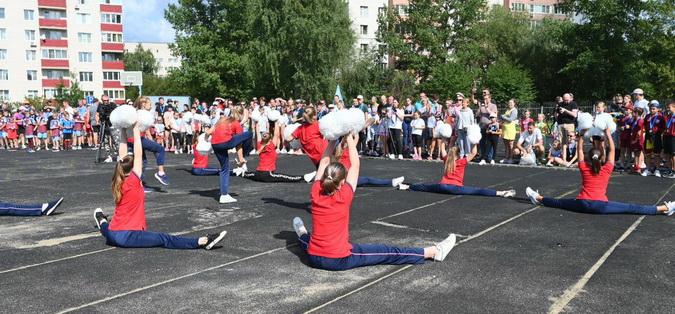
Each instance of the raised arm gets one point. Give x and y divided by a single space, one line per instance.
610 142
353 173
123 149
325 159
138 152
473 153
580 145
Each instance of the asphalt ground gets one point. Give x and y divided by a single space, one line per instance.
512 257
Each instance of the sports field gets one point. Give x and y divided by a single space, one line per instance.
513 257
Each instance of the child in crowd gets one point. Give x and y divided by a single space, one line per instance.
655 123
67 125
12 133
493 132
417 125
638 140
669 139
4 144
625 126
555 155
55 132
525 121
78 131
42 130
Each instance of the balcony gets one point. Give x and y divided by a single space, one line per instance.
111 8
55 82
113 65
62 43
53 23
111 28
54 64
52 4
118 47
112 84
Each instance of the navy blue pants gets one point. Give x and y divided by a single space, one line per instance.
9 209
220 151
152 146
205 171
365 255
369 181
407 136
141 239
599 207
452 189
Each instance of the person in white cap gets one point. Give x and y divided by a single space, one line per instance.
639 100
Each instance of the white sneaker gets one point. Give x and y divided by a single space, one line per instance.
253 152
502 161
657 173
237 171
671 208
445 247
396 181
225 199
284 151
492 162
509 193
403 187
244 168
646 173
533 196
400 156
482 162
299 227
391 156
108 160
309 177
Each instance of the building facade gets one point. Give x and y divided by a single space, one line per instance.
164 56
364 15
45 43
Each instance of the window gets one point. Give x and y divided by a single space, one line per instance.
111 37
3 54
54 54
88 93
84 38
28 15
86 76
381 11
364 29
111 76
364 11
558 10
53 34
4 94
535 23
54 74
114 94
31 55
364 48
85 56
518 7
30 35
31 75
108 56
3 34
2 13
4 75
538 8
111 1
83 18
53 14
51 93
402 10
81 1
32 93
111 18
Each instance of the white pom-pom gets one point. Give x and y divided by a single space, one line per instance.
123 117
473 134
356 120
584 120
445 130
328 126
145 120
202 118
603 121
594 131
437 130
273 115
255 114
611 125
203 146
288 131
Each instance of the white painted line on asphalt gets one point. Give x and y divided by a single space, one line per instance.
55 260
386 224
57 241
573 291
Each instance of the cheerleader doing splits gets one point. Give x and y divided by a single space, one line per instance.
44 209
128 227
342 154
592 198
453 177
226 134
268 165
328 246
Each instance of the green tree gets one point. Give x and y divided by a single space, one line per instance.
71 94
140 60
507 80
448 79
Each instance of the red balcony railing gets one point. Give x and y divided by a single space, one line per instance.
52 3
112 84
113 65
111 27
51 63
53 23
111 8
62 43
112 47
55 82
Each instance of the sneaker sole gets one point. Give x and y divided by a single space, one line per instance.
98 225
160 180
218 239
51 209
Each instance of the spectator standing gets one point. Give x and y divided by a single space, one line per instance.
485 109
509 119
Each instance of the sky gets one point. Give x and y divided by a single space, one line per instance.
144 21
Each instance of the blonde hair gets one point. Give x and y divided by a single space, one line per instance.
122 169
309 115
451 160
334 174
141 102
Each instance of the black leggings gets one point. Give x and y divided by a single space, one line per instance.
177 139
270 176
396 141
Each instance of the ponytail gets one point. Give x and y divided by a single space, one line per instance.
309 115
122 169
596 162
451 160
334 174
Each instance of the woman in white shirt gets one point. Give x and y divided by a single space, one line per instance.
466 118
417 125
396 130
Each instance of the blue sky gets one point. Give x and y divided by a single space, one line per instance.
144 21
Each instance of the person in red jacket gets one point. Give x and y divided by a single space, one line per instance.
595 174
655 123
128 227
669 139
638 139
267 166
328 246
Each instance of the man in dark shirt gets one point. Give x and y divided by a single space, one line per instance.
566 115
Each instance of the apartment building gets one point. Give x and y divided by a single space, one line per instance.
44 43
166 61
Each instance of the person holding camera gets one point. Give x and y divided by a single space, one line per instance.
103 116
566 115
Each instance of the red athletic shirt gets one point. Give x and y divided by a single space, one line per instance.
344 160
525 122
670 125
457 177
311 140
268 158
130 211
655 123
330 222
224 132
200 161
594 187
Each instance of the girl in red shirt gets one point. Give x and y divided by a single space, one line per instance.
669 139
342 155
592 198
128 227
268 165
625 127
328 246
638 139
311 140
226 134
453 177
